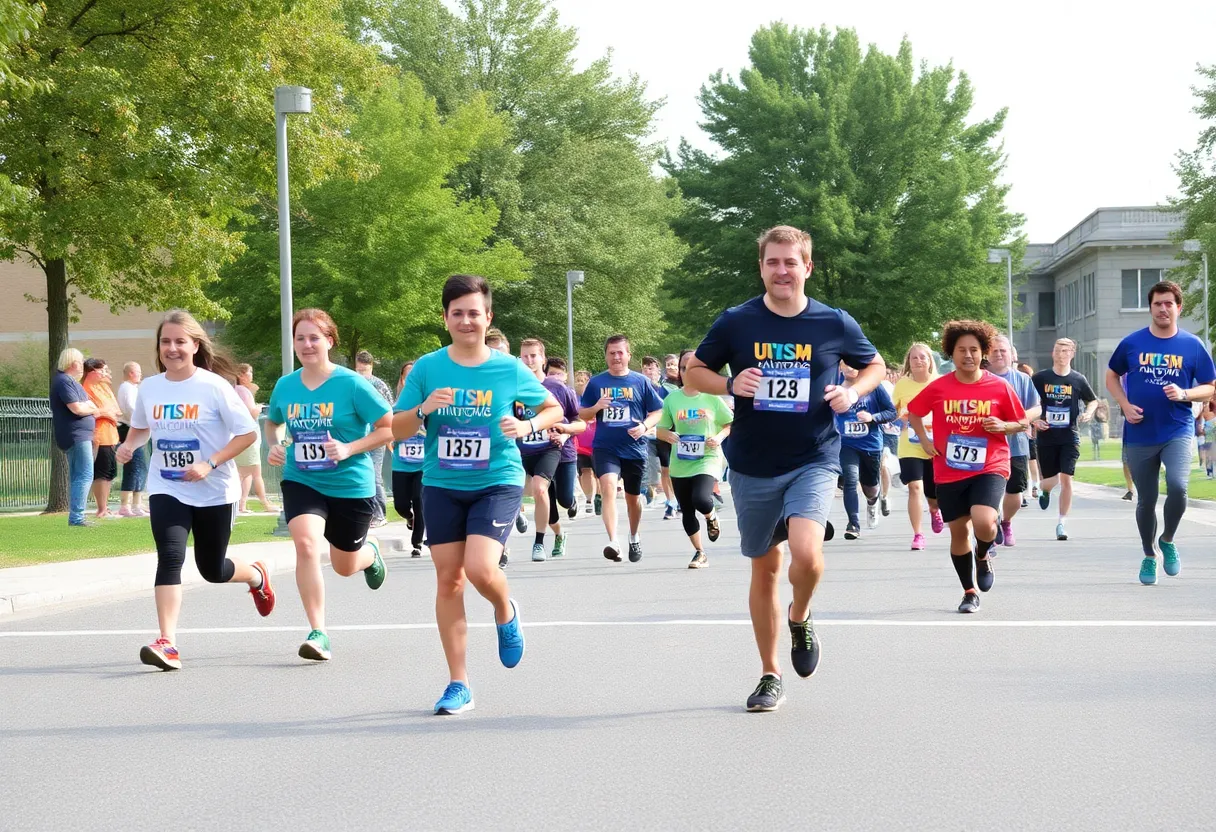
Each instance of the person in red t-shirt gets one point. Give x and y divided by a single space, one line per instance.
973 413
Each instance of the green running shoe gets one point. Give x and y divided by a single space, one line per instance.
1148 571
1170 562
559 545
375 573
315 647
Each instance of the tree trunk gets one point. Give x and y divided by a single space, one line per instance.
57 342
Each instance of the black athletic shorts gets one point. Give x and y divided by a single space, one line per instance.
347 519
913 470
585 463
1034 448
1058 459
1019 475
663 449
105 465
630 470
543 464
955 499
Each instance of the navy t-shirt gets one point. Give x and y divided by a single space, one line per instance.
69 428
538 442
788 424
1147 364
633 399
866 436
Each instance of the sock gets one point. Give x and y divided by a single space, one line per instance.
635 538
540 538
962 565
871 500
258 575
982 547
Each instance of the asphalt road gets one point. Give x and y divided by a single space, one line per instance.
1076 699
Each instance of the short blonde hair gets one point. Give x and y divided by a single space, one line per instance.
69 357
787 234
129 366
1068 342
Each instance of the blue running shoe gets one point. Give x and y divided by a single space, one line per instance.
511 639
1044 499
1148 571
1170 562
456 699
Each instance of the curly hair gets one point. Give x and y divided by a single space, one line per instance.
983 331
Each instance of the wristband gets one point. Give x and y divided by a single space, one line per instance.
211 462
730 385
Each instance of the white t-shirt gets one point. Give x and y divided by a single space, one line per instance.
127 394
191 421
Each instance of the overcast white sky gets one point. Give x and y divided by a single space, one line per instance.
1099 100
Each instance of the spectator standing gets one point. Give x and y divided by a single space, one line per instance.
105 433
135 472
249 461
363 366
73 420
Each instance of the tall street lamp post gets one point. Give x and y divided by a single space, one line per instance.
572 279
287 101
996 255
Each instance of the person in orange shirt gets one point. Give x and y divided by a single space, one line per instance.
105 436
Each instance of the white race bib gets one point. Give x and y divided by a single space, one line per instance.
1059 417
617 415
464 449
176 455
308 448
966 453
691 447
412 450
855 428
784 389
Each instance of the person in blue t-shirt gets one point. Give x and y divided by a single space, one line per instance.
334 417
861 441
626 406
407 477
472 477
783 349
1001 360
1165 369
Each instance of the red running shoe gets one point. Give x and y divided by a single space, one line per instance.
263 598
161 653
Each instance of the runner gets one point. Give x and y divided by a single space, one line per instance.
626 405
546 459
1033 456
198 426
585 440
472 477
1059 428
783 349
555 369
861 450
695 423
495 340
973 412
364 364
1166 369
407 477
915 466
334 417
658 451
1000 364
890 443
672 378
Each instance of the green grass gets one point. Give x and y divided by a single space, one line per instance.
1200 487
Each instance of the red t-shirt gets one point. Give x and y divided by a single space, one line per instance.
964 448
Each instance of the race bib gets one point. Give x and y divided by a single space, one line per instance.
1059 417
618 415
176 455
536 439
784 389
412 450
308 447
856 428
691 447
464 449
966 453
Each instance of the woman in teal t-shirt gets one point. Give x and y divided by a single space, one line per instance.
408 455
472 477
334 417
695 424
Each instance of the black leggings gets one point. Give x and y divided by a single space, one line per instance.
695 496
561 488
172 522
407 497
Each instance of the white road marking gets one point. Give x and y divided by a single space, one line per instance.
670 622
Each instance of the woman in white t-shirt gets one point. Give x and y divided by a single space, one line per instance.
197 426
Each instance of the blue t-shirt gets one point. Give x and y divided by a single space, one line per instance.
465 447
69 428
343 408
788 424
539 442
1148 364
408 454
1023 386
865 436
633 399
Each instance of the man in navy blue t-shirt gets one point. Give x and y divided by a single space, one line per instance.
73 418
625 406
783 349
1165 369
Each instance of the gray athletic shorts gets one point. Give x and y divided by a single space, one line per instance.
764 504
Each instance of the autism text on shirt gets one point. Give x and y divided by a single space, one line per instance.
617 393
311 415
171 417
691 414
776 355
967 413
1161 367
469 404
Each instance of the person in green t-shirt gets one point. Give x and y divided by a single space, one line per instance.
695 424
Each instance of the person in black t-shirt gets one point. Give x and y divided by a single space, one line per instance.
1068 402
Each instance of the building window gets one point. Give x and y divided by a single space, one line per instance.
1047 310
1091 296
1136 282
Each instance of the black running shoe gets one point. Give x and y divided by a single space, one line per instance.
1000 533
829 531
409 520
502 561
712 528
805 651
851 532
613 552
718 499
635 552
971 603
572 512
883 507
983 574
1128 497
768 695
699 561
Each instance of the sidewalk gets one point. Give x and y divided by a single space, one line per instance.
26 589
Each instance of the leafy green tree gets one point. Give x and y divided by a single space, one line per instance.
877 160
1197 182
373 247
147 128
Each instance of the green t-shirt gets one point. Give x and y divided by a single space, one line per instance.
694 419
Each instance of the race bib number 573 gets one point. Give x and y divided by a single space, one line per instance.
784 389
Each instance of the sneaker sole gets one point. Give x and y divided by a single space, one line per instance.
632 559
1165 567
764 709
150 657
313 653
612 554
455 711
697 564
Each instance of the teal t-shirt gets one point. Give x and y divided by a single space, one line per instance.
343 408
408 454
694 419
465 448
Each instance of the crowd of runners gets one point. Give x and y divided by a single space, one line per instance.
785 399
